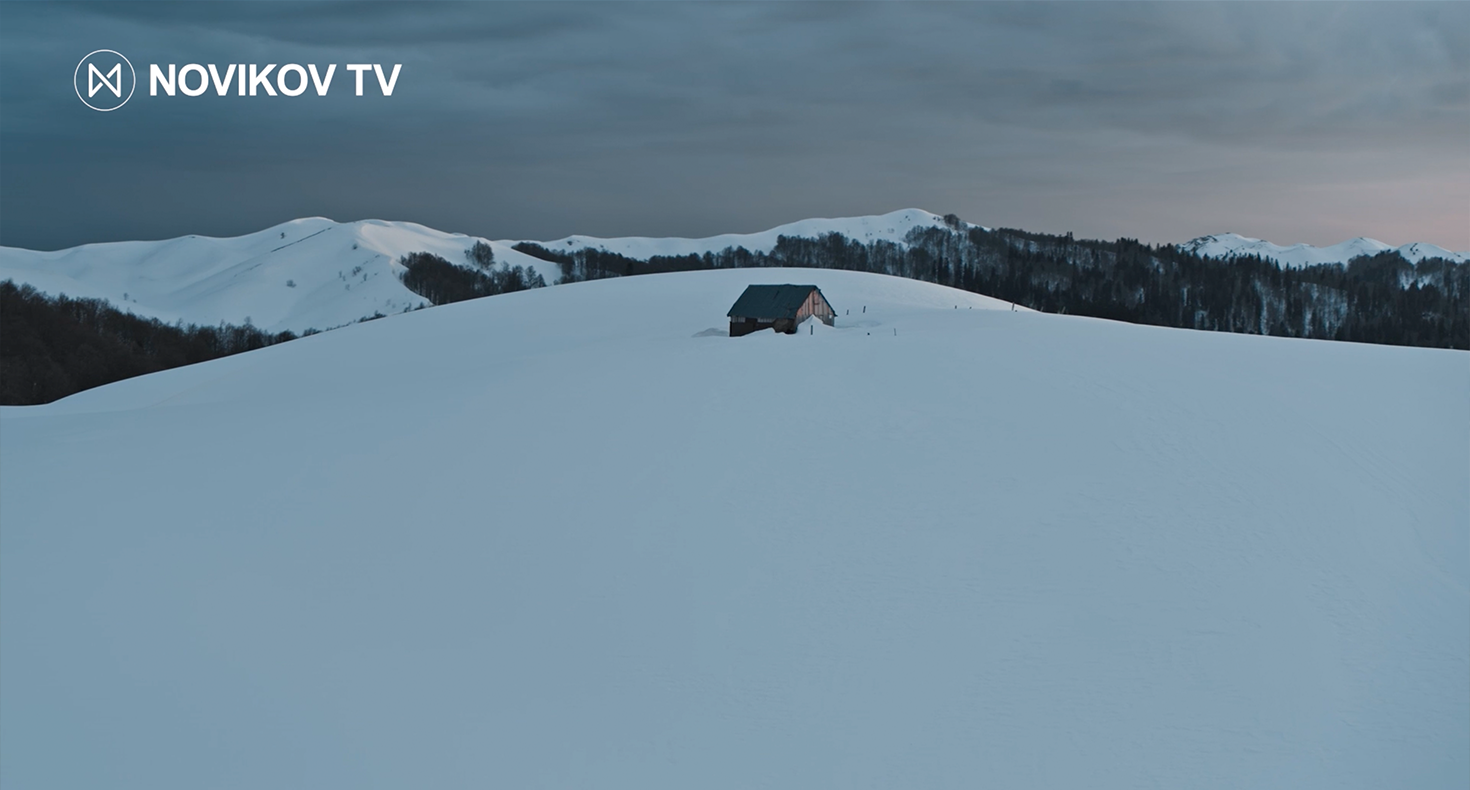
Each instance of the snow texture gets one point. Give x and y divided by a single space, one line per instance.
570 538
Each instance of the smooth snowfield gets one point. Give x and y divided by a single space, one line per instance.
559 539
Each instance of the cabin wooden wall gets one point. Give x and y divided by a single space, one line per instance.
815 305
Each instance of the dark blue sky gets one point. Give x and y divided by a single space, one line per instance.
1297 122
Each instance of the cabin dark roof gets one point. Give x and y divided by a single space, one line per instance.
772 301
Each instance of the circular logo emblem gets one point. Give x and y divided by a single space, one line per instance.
105 80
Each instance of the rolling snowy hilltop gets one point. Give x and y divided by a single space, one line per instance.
305 274
569 537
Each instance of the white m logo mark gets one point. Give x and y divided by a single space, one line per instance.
105 68
112 81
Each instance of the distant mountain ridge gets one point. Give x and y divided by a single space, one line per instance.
1234 245
893 226
316 273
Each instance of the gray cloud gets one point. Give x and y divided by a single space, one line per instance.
1296 122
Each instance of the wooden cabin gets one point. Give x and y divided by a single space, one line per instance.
778 307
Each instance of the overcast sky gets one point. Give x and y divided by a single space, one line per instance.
1295 122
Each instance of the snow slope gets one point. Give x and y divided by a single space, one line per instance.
1231 245
885 227
567 538
307 273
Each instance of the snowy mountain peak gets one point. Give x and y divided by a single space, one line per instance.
1234 245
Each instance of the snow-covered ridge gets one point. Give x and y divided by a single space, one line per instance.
1233 245
318 273
302 274
892 226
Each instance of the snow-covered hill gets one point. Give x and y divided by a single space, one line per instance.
884 227
307 273
1231 245
316 273
570 538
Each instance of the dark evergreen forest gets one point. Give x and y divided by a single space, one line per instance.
51 347
441 282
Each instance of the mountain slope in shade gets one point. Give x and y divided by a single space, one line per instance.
571 537
307 273
1231 245
883 227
